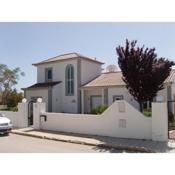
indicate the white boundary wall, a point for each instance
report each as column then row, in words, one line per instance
column 119, row 120
column 3, row 106
column 19, row 119
column 159, row 122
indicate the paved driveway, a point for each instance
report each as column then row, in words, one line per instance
column 24, row 144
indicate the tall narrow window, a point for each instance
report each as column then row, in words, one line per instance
column 69, row 80
column 48, row 74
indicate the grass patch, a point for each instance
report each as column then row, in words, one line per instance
column 147, row 112
column 99, row 109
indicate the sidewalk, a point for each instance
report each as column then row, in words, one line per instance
column 134, row 145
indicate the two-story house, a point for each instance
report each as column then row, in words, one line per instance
column 72, row 83
column 59, row 80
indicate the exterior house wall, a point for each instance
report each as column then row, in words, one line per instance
column 84, row 71
column 38, row 93
column 57, row 98
column 113, row 91
column 173, row 97
column 68, row 103
column 89, row 71
column 87, row 98
column 163, row 93
column 119, row 91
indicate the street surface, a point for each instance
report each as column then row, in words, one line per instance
column 24, row 144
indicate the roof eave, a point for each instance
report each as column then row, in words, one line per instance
column 88, row 59
column 34, row 88
column 107, row 86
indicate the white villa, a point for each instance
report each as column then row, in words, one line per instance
column 73, row 83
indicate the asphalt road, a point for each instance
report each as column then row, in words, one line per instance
column 24, row 144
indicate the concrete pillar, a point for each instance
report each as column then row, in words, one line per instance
column 103, row 96
column 82, row 101
column 159, row 122
column 23, row 115
column 37, row 109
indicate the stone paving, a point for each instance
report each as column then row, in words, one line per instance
column 101, row 141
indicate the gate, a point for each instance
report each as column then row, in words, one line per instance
column 171, row 119
column 30, row 110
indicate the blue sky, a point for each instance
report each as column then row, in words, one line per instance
column 22, row 44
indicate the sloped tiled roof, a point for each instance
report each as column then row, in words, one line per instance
column 107, row 79
column 115, row 79
column 65, row 57
column 43, row 85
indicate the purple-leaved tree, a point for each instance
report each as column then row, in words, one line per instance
column 143, row 72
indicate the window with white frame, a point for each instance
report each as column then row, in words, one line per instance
column 69, row 80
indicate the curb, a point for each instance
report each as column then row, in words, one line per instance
column 134, row 149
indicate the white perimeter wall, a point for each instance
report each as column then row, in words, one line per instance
column 13, row 116
column 128, row 124
column 19, row 119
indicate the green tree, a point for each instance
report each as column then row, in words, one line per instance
column 143, row 72
column 13, row 98
column 8, row 78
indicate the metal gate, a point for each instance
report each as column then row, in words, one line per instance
column 30, row 110
column 171, row 119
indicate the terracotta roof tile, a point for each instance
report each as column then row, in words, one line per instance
column 107, row 79
column 115, row 79
column 65, row 57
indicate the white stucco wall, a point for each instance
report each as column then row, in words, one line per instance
column 113, row 91
column 173, row 97
column 163, row 93
column 68, row 103
column 57, row 98
column 13, row 116
column 90, row 70
column 107, row 124
column 87, row 100
column 38, row 93
column 61, row 102
column 19, row 119
column 159, row 122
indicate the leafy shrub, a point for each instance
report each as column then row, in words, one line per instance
column 147, row 112
column 171, row 117
column 99, row 109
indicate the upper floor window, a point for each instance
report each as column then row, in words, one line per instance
column 69, row 80
column 48, row 74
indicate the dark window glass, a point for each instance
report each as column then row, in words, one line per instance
column 49, row 75
column 69, row 80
